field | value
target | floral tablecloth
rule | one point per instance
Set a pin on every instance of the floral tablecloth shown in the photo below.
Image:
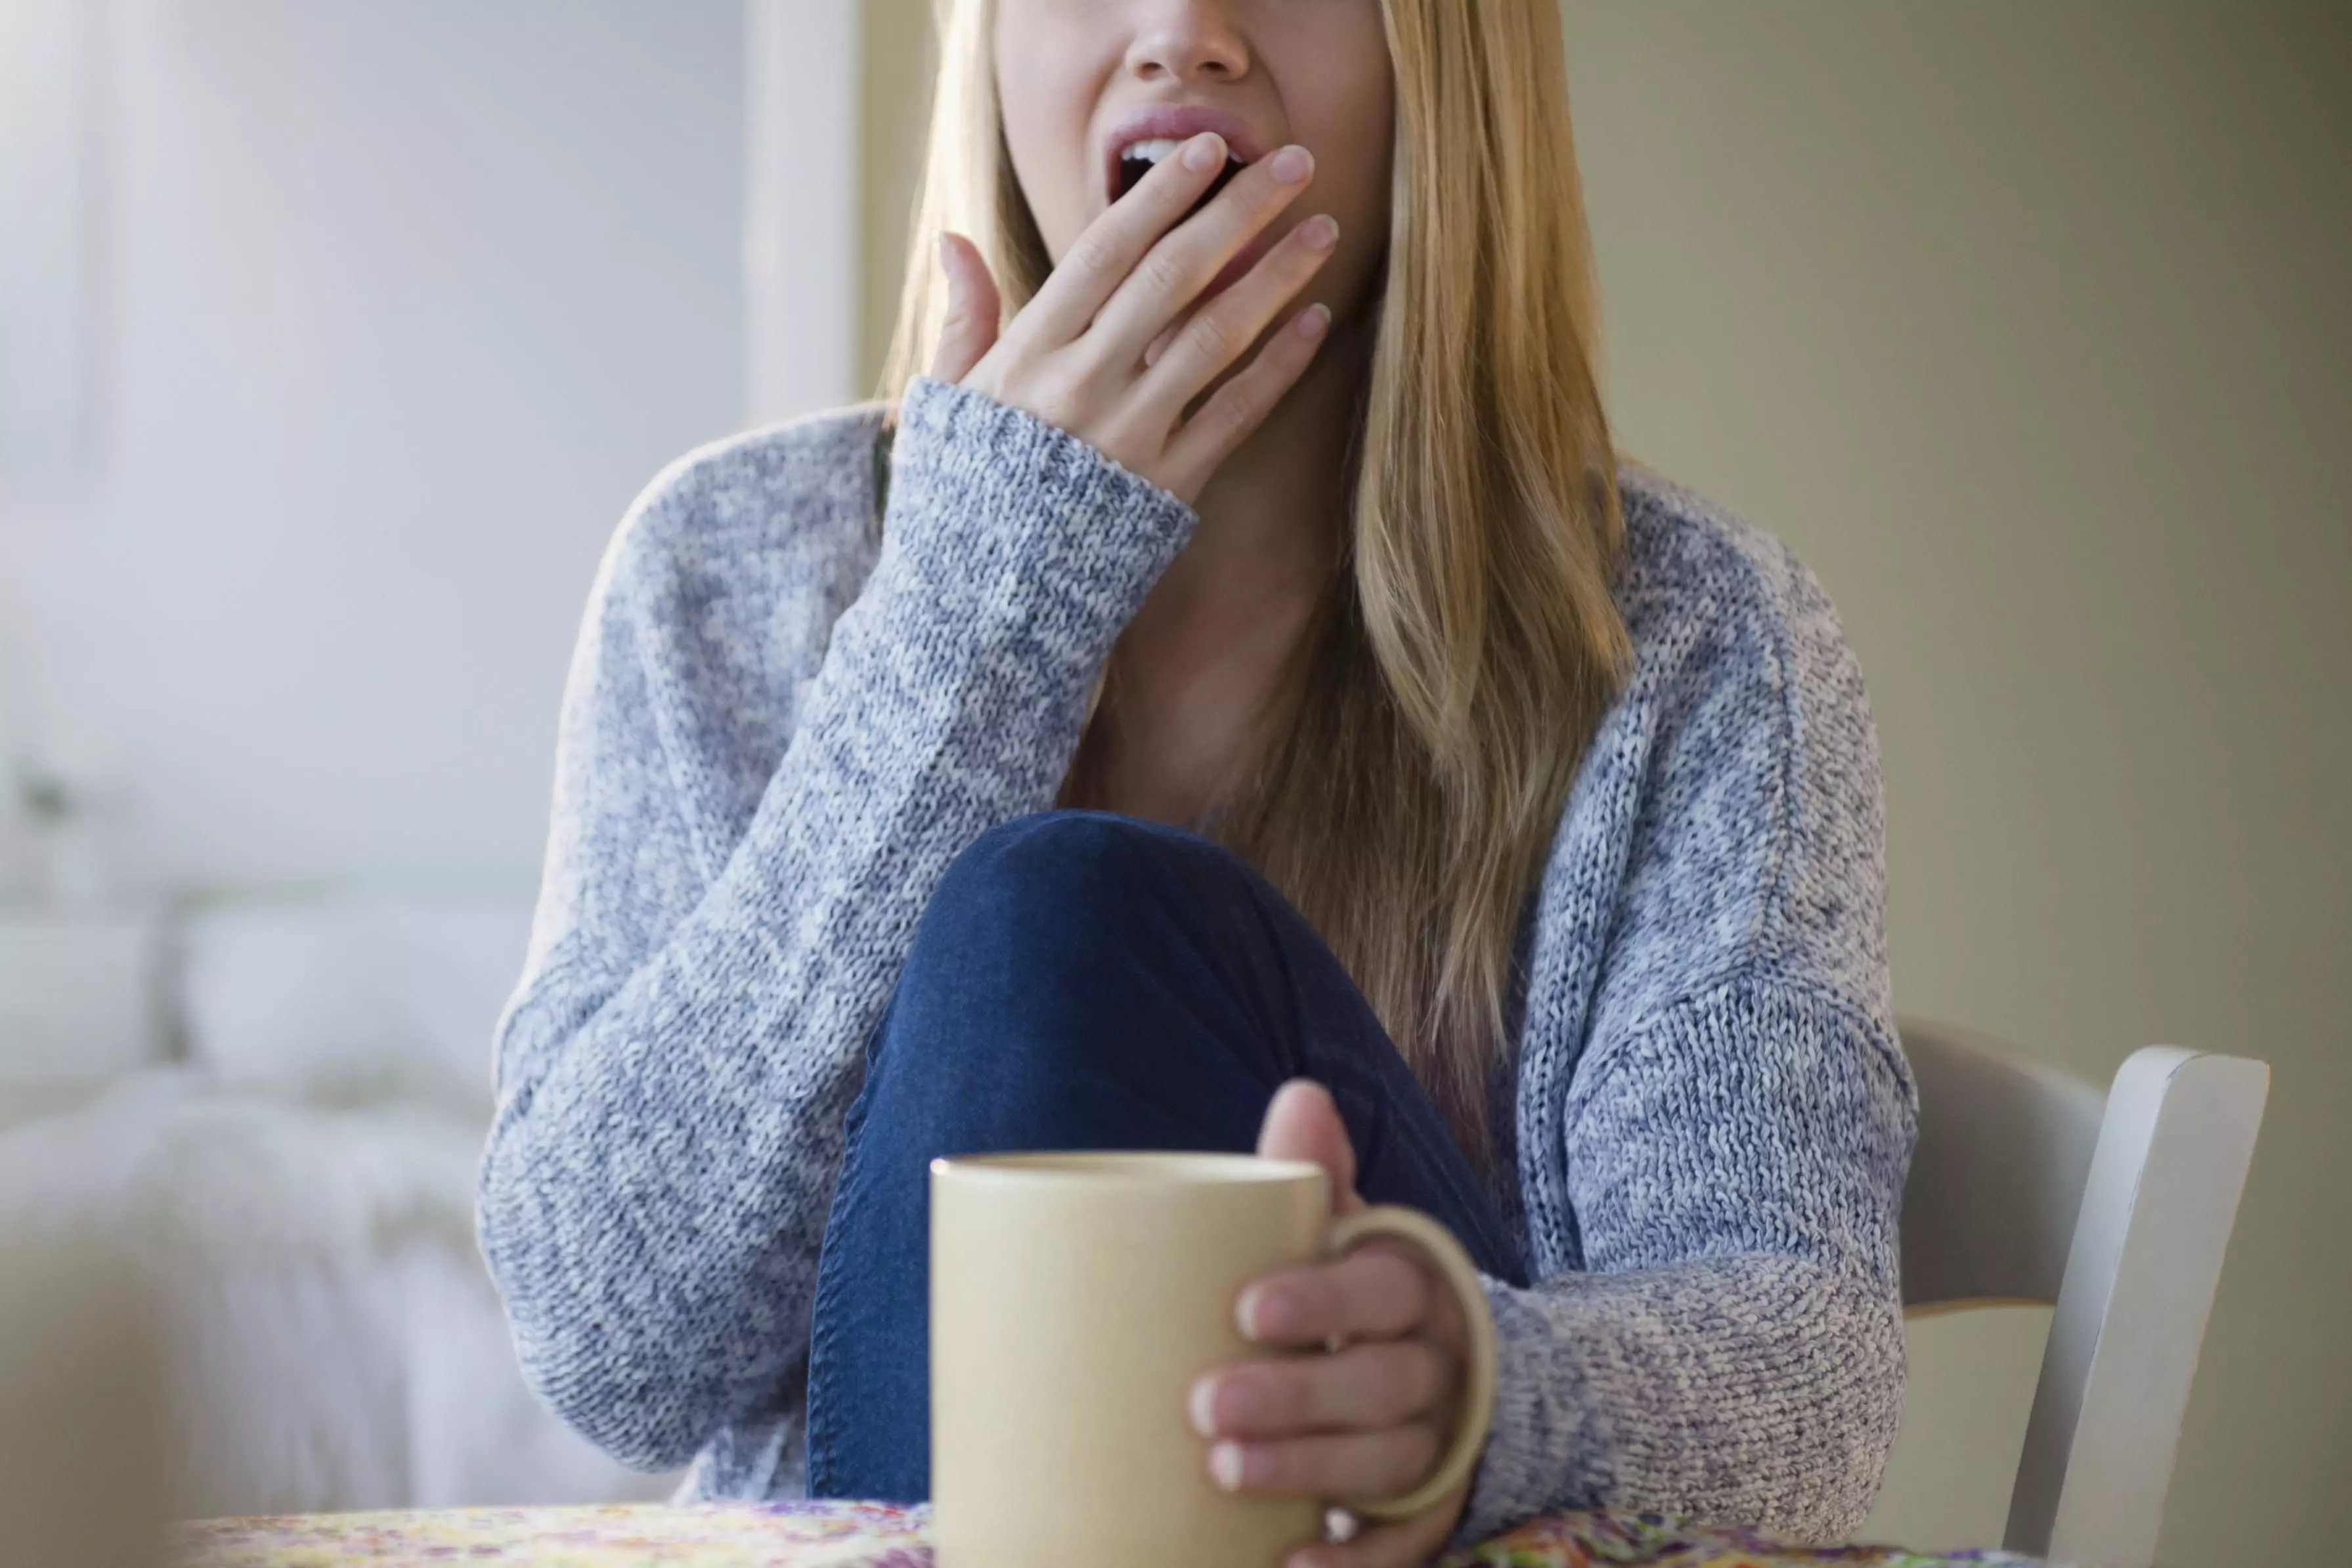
(873, 1535)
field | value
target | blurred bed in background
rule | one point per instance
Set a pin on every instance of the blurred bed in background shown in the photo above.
(335, 342)
(297, 1192)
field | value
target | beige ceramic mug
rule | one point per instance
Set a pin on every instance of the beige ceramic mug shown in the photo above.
(1075, 1299)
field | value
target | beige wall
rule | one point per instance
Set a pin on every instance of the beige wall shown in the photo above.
(900, 56)
(2030, 327)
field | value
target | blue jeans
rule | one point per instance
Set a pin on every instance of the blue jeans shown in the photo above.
(1081, 979)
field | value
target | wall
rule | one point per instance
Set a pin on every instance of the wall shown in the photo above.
(2026, 326)
(802, 206)
(400, 306)
(900, 55)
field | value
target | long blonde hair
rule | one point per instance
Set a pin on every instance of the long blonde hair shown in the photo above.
(1435, 714)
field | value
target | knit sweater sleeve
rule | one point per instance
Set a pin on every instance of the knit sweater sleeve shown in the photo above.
(1720, 1332)
(673, 1069)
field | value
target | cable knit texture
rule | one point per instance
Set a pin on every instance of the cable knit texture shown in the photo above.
(797, 693)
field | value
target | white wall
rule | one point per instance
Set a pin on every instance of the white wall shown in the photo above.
(399, 305)
(803, 204)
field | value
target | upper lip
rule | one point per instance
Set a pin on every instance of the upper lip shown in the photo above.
(1176, 122)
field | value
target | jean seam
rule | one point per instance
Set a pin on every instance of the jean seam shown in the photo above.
(1460, 1186)
(823, 1326)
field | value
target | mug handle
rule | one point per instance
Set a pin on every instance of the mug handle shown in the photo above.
(1477, 1407)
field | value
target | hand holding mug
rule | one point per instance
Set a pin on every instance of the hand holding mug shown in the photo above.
(1106, 352)
(1367, 1421)
(1075, 1301)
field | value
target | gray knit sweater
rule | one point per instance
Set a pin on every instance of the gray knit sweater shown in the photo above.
(786, 714)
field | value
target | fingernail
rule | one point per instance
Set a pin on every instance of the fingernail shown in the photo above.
(1225, 1465)
(1201, 1404)
(1320, 232)
(1292, 164)
(1245, 1311)
(1314, 320)
(1205, 151)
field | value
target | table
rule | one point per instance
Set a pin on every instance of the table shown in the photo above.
(876, 1535)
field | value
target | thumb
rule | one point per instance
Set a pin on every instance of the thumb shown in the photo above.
(1301, 1123)
(973, 304)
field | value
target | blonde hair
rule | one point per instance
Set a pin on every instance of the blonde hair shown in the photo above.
(1419, 754)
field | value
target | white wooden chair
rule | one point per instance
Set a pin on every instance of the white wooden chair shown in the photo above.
(2029, 1186)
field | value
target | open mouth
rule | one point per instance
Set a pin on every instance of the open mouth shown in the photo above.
(1138, 160)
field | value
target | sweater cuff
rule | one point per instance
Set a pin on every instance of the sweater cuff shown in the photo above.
(1519, 1473)
(1009, 527)
(961, 456)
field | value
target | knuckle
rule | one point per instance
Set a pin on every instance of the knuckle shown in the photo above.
(1323, 1301)
(1113, 436)
(1413, 1286)
(1225, 421)
(1397, 1284)
(1354, 1388)
(1054, 408)
(1410, 1454)
(1211, 337)
(1396, 1382)
(1391, 1379)
(1058, 390)
(1229, 415)
(1294, 1395)
(1095, 256)
(1162, 272)
(1293, 1466)
(1276, 367)
(1425, 1374)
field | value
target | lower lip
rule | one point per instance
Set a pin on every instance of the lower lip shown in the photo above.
(1235, 269)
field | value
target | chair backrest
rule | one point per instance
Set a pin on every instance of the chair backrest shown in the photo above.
(2028, 1185)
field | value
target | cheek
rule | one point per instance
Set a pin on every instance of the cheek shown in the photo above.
(1043, 95)
(1358, 195)
(1343, 103)
(1367, 197)
(1050, 178)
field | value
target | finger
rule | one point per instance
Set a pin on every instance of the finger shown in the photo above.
(1363, 1388)
(1372, 1293)
(1099, 261)
(1302, 1123)
(1240, 405)
(1186, 260)
(973, 305)
(1221, 330)
(1349, 1466)
(1408, 1544)
(1159, 344)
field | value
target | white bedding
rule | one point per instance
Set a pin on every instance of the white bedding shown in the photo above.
(298, 1196)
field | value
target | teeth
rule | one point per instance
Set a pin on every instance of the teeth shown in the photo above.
(1137, 159)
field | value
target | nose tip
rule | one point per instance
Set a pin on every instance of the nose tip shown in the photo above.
(1197, 48)
(1155, 68)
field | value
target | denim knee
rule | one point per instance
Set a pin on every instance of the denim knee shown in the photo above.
(1081, 877)
(1027, 903)
(1032, 933)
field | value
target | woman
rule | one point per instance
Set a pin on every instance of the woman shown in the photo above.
(1511, 811)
